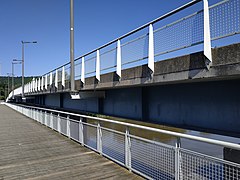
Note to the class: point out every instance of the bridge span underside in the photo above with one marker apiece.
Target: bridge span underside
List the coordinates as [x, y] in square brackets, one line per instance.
[213, 106]
[183, 92]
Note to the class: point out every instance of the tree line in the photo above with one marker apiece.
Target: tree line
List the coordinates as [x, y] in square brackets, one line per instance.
[4, 84]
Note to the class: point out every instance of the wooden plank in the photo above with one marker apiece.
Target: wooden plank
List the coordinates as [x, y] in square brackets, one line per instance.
[29, 150]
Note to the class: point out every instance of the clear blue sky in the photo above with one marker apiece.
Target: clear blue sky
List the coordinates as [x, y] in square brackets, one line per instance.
[47, 21]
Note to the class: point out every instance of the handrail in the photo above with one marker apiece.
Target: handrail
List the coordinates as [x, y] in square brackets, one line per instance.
[189, 4]
[176, 134]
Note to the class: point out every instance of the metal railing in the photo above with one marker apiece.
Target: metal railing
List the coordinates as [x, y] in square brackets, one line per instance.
[150, 158]
[152, 42]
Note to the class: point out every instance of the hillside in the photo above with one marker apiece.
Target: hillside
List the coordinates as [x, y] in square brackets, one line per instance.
[4, 84]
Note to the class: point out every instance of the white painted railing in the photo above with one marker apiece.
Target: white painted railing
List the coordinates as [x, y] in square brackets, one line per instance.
[149, 158]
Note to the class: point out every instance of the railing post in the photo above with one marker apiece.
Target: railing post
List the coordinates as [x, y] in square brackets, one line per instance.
[40, 116]
[119, 59]
[58, 123]
[99, 138]
[83, 71]
[63, 77]
[207, 32]
[46, 82]
[80, 126]
[127, 149]
[151, 49]
[42, 83]
[51, 120]
[98, 65]
[56, 79]
[51, 80]
[39, 84]
[45, 118]
[68, 127]
[177, 159]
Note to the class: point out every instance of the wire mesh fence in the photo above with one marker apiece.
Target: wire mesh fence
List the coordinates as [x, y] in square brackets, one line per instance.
[149, 158]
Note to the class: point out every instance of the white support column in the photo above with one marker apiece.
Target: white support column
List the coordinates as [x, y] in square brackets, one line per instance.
[51, 79]
[46, 82]
[32, 87]
[151, 49]
[119, 59]
[39, 84]
[42, 83]
[98, 66]
[207, 33]
[63, 76]
[35, 84]
[56, 79]
[83, 70]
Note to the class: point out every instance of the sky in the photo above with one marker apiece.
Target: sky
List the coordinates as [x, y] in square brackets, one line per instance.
[47, 22]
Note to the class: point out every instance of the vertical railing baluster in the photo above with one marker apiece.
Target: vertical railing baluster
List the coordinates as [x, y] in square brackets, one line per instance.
[59, 123]
[119, 59]
[98, 65]
[68, 126]
[80, 127]
[99, 138]
[151, 49]
[51, 120]
[207, 32]
[83, 71]
[177, 159]
[127, 149]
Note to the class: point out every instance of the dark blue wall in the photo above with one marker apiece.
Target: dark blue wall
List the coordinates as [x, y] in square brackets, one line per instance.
[206, 105]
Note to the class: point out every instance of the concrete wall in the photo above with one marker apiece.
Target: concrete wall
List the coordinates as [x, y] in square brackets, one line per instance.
[123, 103]
[201, 105]
[89, 105]
[210, 105]
[52, 100]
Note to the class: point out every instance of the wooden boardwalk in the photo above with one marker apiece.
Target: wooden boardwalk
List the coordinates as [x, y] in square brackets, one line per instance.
[29, 150]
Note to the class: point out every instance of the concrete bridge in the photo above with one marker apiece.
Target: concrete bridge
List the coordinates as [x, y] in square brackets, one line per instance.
[185, 73]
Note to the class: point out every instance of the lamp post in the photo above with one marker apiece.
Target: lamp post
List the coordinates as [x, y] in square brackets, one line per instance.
[72, 45]
[8, 74]
[15, 61]
[24, 42]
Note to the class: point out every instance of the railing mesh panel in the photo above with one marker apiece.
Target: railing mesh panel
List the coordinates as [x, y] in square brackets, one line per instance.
[90, 65]
[225, 19]
[113, 145]
[183, 33]
[154, 160]
[200, 166]
[78, 69]
[90, 136]
[134, 51]
[74, 130]
[63, 124]
[108, 60]
[55, 122]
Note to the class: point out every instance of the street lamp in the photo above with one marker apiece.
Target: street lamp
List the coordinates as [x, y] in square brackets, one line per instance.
[15, 61]
[24, 42]
[72, 45]
[8, 74]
